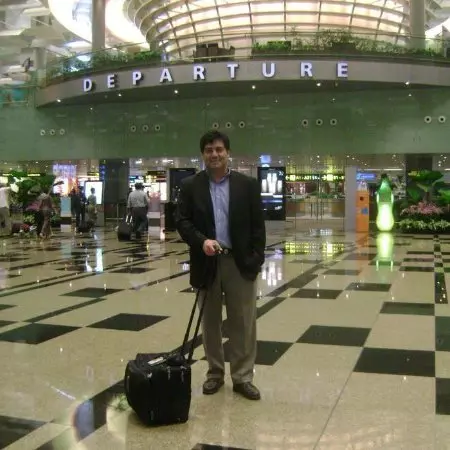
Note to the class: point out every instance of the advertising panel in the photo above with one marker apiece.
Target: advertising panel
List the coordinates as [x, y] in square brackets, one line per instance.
[273, 192]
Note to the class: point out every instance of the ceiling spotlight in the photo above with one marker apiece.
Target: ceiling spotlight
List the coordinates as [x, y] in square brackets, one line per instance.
[318, 84]
[407, 83]
[58, 100]
[253, 87]
[175, 91]
[119, 95]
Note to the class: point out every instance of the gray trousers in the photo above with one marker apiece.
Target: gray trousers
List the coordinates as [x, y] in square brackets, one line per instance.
[240, 301]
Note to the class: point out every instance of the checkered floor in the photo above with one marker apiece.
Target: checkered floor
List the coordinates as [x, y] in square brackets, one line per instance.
[353, 344]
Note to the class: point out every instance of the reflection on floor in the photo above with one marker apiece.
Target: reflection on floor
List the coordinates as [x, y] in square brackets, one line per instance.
[353, 344]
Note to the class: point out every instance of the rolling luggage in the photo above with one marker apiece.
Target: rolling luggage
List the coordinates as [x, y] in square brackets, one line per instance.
[158, 386]
[125, 229]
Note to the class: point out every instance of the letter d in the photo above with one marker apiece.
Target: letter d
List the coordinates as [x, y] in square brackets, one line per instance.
[87, 85]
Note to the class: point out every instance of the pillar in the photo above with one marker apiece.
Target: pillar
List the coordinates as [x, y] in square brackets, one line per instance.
[417, 24]
[40, 62]
[350, 199]
[98, 25]
[116, 178]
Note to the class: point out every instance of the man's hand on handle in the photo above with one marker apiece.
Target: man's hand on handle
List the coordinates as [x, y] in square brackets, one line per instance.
[211, 247]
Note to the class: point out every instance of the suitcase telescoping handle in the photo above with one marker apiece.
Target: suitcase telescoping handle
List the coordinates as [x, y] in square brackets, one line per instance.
[197, 326]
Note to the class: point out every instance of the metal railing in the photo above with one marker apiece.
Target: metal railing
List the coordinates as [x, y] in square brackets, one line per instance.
[323, 43]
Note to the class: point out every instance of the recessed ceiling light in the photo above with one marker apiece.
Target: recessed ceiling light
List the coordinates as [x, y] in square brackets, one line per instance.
[58, 100]
[175, 91]
[318, 84]
[119, 95]
[253, 87]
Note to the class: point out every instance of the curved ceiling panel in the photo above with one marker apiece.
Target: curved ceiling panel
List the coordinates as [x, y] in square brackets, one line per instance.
[181, 25]
[75, 15]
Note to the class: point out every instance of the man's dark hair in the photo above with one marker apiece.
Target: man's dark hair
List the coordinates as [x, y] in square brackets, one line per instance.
[214, 135]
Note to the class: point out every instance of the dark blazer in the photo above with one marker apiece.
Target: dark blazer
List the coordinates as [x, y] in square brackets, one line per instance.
[195, 223]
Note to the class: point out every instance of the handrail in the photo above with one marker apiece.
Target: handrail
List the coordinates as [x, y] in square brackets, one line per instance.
[322, 43]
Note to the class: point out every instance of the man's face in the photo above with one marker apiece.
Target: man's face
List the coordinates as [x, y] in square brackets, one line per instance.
[215, 155]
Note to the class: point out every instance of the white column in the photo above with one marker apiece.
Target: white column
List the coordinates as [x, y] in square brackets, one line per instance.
[417, 23]
[98, 25]
[350, 199]
[40, 62]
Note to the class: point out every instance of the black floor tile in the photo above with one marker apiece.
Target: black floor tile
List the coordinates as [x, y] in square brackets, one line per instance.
[90, 416]
[4, 323]
[268, 352]
[440, 289]
[416, 269]
[417, 309]
[414, 252]
[58, 312]
[396, 362]
[75, 268]
[442, 325]
[133, 270]
[3, 307]
[35, 333]
[12, 429]
[328, 335]
[300, 281]
[417, 260]
[443, 396]
[11, 259]
[92, 292]
[344, 272]
[370, 287]
[323, 294]
[128, 322]
[215, 447]
[360, 257]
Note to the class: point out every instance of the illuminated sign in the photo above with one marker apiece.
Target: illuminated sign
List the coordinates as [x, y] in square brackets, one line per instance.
[156, 176]
[316, 177]
[268, 70]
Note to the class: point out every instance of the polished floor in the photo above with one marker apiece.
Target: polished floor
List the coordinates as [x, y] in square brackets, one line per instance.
[353, 344]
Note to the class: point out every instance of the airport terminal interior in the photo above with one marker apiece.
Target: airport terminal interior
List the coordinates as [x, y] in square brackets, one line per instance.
[339, 109]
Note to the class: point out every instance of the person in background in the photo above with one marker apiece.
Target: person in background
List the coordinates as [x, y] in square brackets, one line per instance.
[5, 218]
[221, 219]
[77, 206]
[92, 208]
[45, 207]
[138, 207]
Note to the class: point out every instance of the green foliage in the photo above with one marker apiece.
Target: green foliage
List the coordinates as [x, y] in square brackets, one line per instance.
[414, 193]
[444, 197]
[28, 187]
[66, 68]
[422, 226]
[341, 41]
[427, 180]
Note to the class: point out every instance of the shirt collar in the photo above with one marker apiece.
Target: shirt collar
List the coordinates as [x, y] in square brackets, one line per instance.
[227, 175]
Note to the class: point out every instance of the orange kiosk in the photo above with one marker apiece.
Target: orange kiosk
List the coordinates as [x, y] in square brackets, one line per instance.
[362, 211]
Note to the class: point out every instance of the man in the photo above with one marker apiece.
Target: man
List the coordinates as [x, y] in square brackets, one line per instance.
[221, 219]
[138, 208]
[5, 219]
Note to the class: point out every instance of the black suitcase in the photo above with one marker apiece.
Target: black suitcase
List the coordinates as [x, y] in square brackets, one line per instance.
[124, 230]
[158, 386]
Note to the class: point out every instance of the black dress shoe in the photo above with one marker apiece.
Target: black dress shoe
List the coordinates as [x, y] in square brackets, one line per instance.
[247, 390]
[212, 385]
